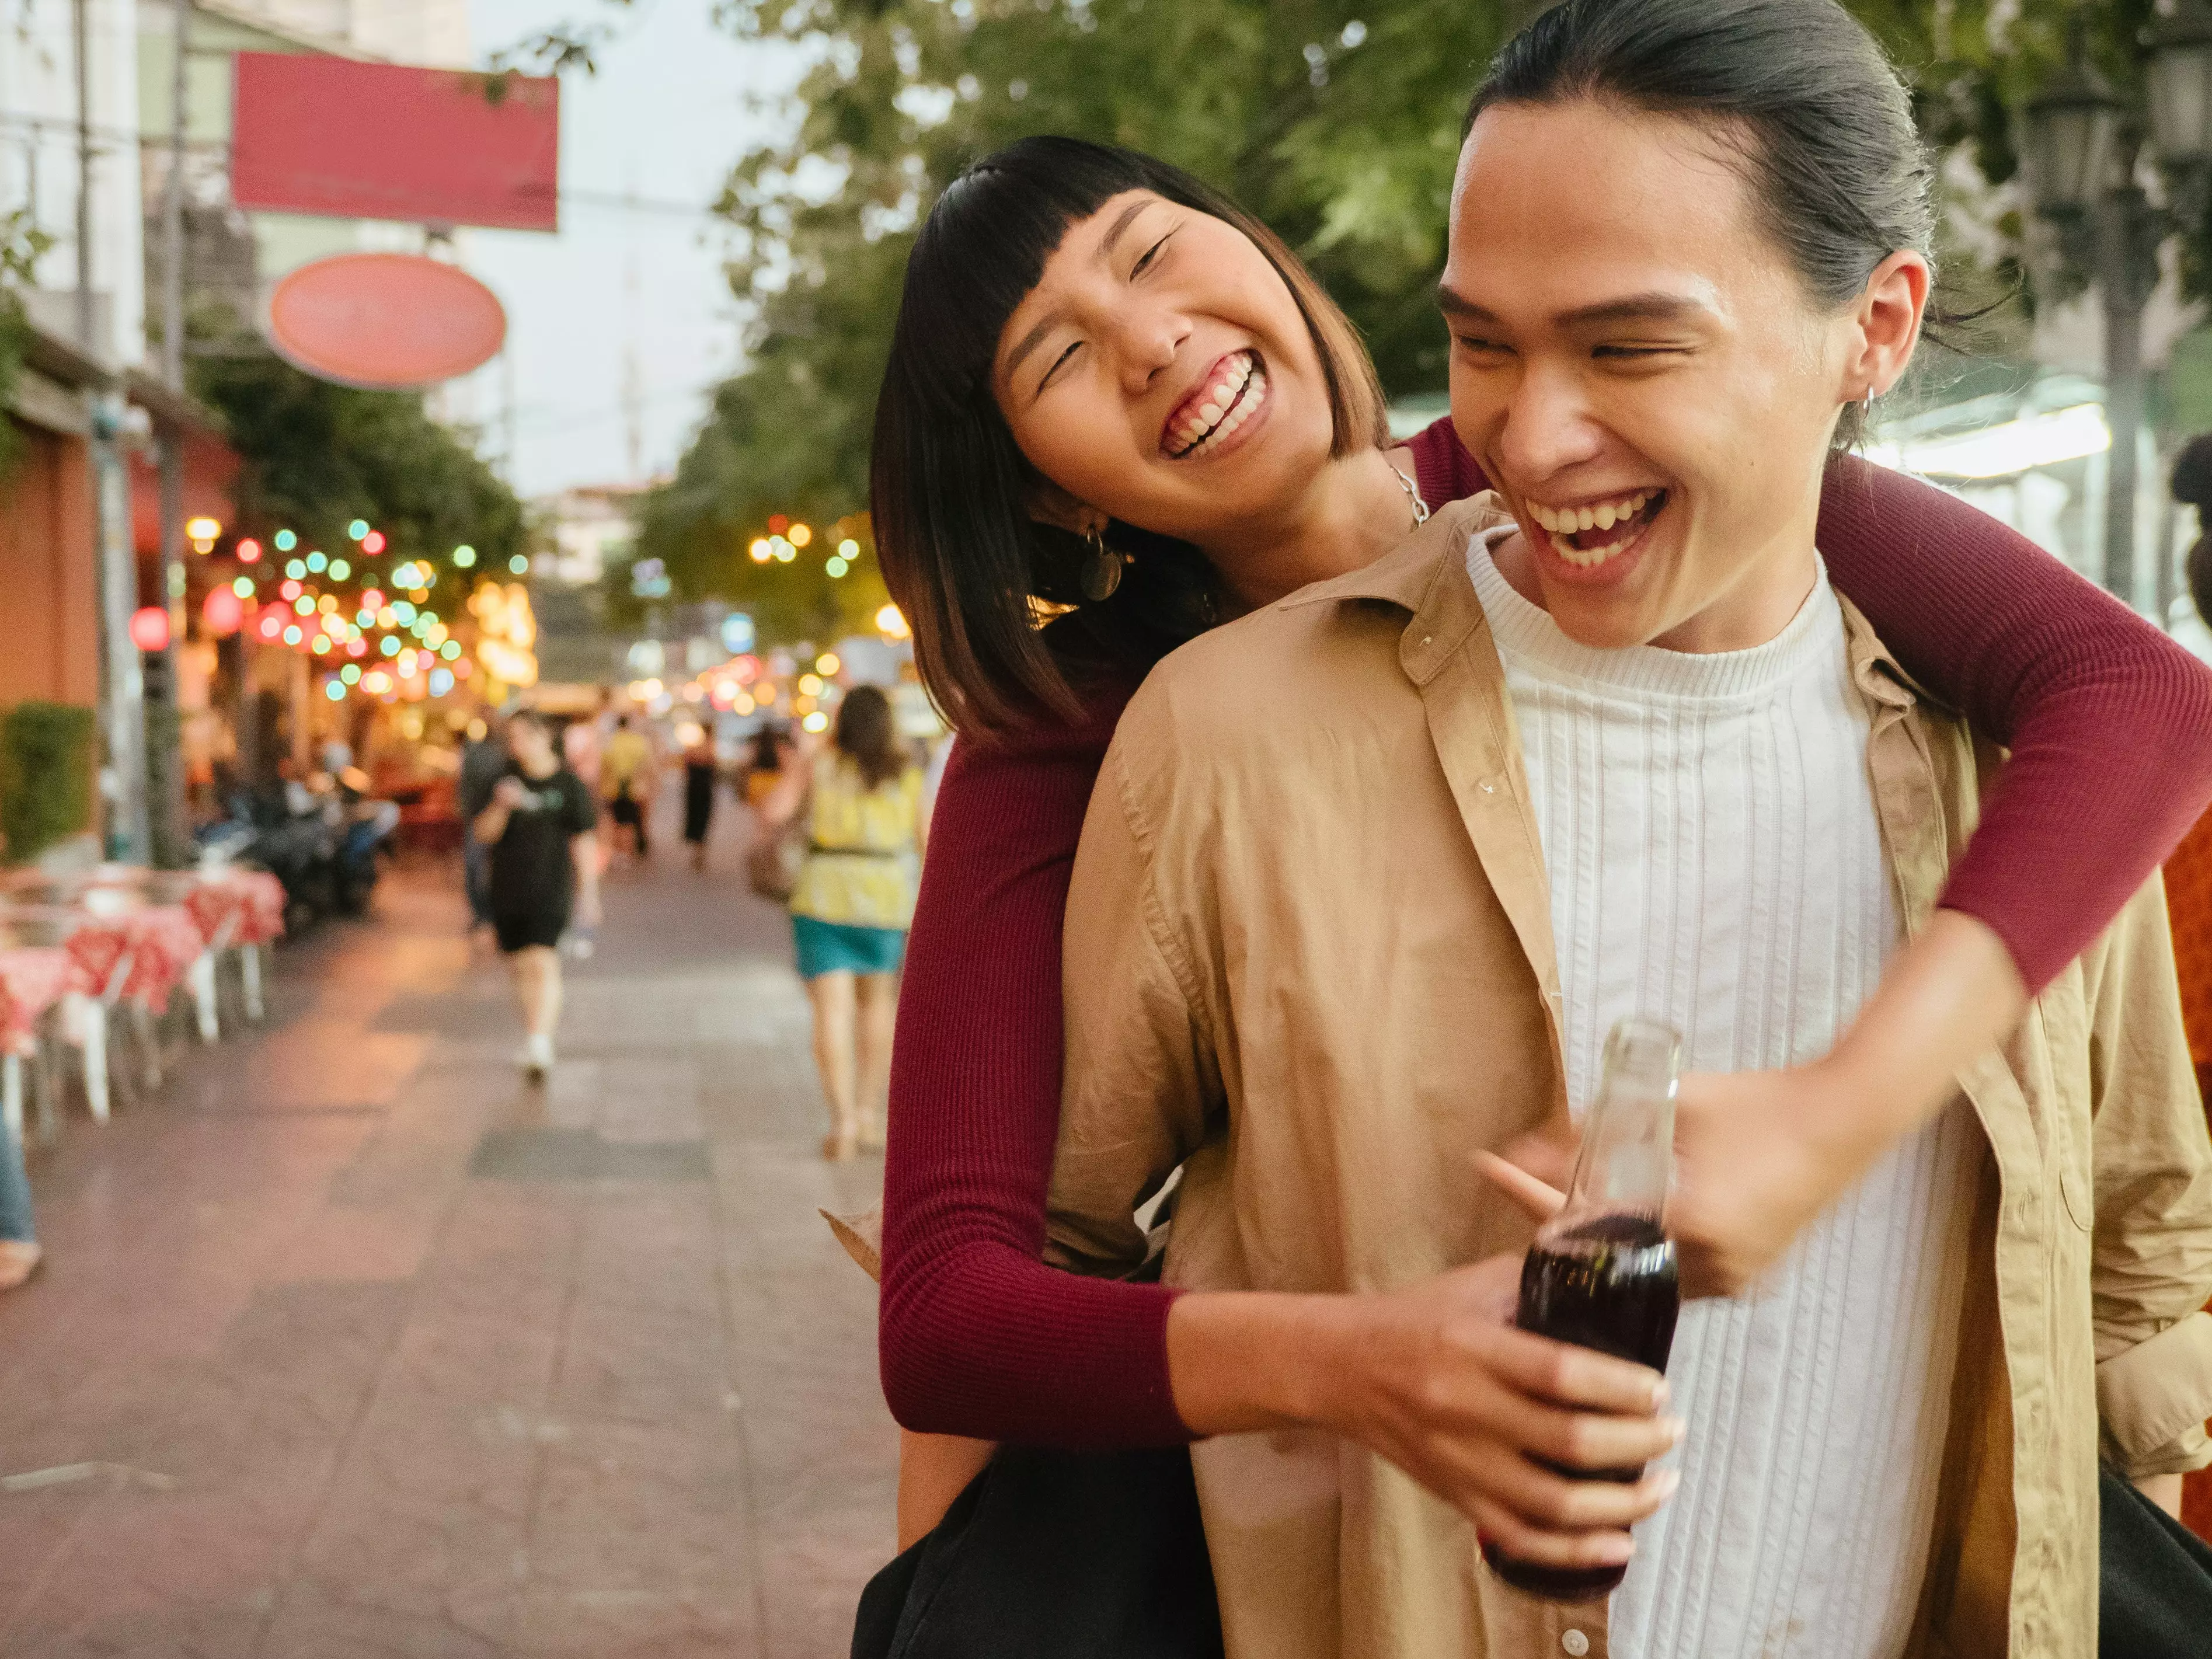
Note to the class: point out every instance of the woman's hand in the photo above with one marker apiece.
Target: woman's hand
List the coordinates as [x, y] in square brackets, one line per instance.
[1762, 1153]
[1758, 1155]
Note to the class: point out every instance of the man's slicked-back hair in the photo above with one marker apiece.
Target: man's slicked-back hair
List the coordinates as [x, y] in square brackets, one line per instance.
[1797, 92]
[950, 492]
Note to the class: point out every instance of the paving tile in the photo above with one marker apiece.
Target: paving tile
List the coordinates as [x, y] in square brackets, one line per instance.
[312, 1622]
[598, 1623]
[176, 1631]
[371, 1349]
[36, 1528]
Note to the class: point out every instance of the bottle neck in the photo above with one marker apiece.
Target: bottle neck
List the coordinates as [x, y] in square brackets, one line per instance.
[1626, 1162]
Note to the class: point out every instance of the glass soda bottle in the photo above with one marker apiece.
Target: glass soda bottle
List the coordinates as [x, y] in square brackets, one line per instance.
[1601, 1273]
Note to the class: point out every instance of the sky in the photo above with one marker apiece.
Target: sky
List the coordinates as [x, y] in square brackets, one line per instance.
[663, 119]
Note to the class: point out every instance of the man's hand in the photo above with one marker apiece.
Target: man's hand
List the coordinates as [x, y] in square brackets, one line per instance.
[509, 792]
[1436, 1379]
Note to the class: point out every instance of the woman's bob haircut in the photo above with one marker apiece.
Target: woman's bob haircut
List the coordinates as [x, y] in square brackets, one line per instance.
[950, 492]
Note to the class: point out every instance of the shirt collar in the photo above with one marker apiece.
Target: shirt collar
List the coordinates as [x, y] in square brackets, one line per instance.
[1425, 575]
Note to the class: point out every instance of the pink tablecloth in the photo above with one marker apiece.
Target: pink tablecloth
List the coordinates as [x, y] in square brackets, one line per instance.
[250, 902]
[264, 907]
[32, 978]
[162, 940]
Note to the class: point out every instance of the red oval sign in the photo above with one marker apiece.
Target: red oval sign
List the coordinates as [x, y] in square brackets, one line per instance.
[385, 321]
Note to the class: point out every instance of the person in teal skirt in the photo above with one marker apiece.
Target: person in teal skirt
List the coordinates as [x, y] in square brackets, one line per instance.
[853, 904]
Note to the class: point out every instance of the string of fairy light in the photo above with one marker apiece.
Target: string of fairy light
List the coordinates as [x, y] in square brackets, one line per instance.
[383, 638]
[747, 682]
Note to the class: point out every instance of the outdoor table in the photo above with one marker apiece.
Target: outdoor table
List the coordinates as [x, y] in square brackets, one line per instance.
[85, 1004]
[240, 909]
[123, 950]
[34, 980]
[141, 953]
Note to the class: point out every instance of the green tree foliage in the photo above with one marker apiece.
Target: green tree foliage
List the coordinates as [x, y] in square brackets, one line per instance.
[790, 437]
[45, 775]
[1337, 120]
[319, 456]
[21, 242]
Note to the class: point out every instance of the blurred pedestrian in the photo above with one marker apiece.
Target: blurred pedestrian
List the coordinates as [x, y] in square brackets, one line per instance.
[626, 786]
[544, 871]
[702, 769]
[481, 761]
[853, 903]
[580, 742]
[2192, 487]
[764, 764]
[20, 1254]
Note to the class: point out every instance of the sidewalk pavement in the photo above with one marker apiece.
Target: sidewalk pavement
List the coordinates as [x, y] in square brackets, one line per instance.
[349, 1343]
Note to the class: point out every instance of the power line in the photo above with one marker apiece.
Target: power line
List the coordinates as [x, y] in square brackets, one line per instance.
[613, 201]
[593, 416]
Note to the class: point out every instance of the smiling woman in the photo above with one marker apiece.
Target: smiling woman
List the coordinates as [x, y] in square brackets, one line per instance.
[1047, 382]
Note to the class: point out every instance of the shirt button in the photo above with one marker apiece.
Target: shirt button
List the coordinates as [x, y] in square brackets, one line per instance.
[1575, 1643]
[1488, 786]
[1428, 639]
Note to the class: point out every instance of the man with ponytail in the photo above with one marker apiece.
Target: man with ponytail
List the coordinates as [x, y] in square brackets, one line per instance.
[1372, 872]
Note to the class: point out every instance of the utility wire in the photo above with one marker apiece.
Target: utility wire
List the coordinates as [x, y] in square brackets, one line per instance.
[617, 200]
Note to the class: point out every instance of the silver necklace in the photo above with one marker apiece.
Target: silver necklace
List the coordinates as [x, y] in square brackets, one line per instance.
[1413, 494]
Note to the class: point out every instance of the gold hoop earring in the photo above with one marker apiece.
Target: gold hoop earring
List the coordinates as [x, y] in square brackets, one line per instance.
[1102, 567]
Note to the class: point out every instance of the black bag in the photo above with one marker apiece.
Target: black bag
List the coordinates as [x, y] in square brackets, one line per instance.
[2153, 1578]
[1054, 1555]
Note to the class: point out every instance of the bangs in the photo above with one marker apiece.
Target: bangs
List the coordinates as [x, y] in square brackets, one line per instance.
[984, 247]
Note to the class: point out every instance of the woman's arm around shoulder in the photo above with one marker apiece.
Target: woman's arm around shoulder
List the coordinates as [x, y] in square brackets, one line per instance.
[978, 1337]
[2110, 727]
[2108, 721]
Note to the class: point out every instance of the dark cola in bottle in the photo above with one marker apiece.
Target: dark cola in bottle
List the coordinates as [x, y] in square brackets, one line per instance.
[1601, 1273]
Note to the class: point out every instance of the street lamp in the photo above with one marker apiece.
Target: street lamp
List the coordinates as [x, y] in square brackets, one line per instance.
[2078, 148]
[2181, 85]
[2073, 130]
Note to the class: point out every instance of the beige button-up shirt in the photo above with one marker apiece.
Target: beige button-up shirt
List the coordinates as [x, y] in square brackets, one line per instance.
[1310, 960]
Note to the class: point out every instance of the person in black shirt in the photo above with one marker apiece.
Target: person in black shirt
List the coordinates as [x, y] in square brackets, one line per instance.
[702, 770]
[484, 763]
[544, 859]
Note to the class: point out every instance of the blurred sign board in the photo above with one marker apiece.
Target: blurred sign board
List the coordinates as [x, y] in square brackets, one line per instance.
[385, 320]
[350, 140]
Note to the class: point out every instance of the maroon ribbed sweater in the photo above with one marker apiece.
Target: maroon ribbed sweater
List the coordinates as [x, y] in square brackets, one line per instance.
[2110, 726]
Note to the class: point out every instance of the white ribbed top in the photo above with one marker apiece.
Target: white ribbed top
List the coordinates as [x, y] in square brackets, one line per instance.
[1715, 860]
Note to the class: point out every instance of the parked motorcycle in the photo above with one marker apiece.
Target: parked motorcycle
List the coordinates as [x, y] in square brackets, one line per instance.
[320, 837]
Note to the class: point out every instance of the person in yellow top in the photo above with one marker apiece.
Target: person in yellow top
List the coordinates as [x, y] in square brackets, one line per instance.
[626, 774]
[853, 904]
